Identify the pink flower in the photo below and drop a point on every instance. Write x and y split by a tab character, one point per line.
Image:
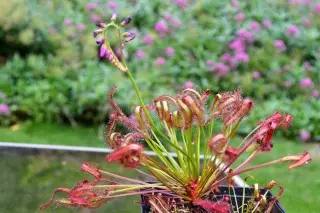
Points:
242	57
279	44
316	9
292	30
235	4
210	64
188	85
307	66
307	2
112	5
170	51
95	18
305	135
91	6
182	3
245	35
315	93
256	75
307	23
221	69
161	27
226	57
176	23
67	22
160	61
267	24
81	27
148	39
306	83
140	54
255	26
168	17
4	110
240	17
237	45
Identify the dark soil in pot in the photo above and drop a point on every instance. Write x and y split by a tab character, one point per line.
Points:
224	191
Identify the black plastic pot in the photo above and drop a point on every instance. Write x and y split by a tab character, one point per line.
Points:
224	190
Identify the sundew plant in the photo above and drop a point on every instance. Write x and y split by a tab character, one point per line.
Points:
186	124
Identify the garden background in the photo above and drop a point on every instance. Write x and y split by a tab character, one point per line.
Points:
53	85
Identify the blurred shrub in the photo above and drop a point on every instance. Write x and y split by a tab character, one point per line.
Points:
268	49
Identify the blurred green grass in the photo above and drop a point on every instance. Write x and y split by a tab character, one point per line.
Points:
29	180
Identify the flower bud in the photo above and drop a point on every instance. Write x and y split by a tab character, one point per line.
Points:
114	16
130	37
101	25
97	32
100	41
125	22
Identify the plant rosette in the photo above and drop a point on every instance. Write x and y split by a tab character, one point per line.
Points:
183	124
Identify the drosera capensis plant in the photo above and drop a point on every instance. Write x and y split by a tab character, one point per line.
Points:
180	124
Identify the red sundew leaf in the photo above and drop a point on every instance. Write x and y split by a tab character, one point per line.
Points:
46	205
217	143
304	158
86	167
129	155
213	207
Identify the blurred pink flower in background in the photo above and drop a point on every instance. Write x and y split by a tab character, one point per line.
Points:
221	69
168	17
256	75
242	57
306	83
226	57
4	110
245	35
307	2
140	54
304	135
95	18
182	3
176	23
315	93
293	30
91	6
307	66
255	26
267	23
81	27
148	39
112	5
316	9
210	64
287	84
161	28
188	85
307	22
169	51
160	61
240	17
280	45
235	4
237	45
67	22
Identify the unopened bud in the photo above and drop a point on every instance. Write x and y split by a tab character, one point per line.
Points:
114	16
97	32
130	37
101	25
100	41
125	22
